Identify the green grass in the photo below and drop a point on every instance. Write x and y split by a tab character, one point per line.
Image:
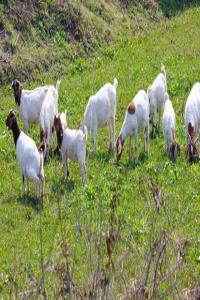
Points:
85	212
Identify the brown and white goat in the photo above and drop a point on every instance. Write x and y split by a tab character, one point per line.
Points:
192	121
136	120
29	157
169	126
174	148
48	111
29	102
156	93
72	144
192	151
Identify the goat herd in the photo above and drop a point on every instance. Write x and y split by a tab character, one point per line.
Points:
41	106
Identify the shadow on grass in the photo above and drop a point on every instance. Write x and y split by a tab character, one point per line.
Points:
171	8
61	185
131	164
194	160
68	185
28	201
167	160
101	156
158	134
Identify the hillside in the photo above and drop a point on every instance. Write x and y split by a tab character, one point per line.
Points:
133	230
58	33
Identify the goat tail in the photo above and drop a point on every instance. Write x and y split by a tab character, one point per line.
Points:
41	150
115	84
163	70
58	84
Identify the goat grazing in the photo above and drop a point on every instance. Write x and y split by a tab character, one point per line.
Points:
48	112
136	120
30	159
156	93
100	112
29	102
192	121
72	144
169	128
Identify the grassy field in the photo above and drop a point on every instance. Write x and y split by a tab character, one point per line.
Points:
108	238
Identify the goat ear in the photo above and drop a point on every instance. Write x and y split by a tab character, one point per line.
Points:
10	122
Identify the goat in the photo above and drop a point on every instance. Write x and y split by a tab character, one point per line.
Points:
169	124
156	93
100	111
72	144
136	120
30	159
192	121
48	112
29	102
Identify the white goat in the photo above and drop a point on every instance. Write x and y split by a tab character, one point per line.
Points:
72	143
192	120
169	129
100	112
30	103
48	112
156	93
30	159
136	120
